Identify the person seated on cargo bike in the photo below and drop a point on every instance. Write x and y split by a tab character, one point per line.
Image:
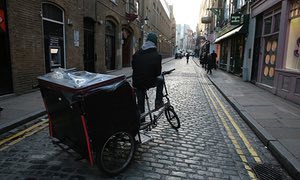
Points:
146	66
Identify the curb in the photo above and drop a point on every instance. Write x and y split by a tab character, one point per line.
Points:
287	160
20	121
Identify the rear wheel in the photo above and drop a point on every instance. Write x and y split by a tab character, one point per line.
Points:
172	117
116	153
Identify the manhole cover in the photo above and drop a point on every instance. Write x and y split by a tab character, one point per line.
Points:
268	172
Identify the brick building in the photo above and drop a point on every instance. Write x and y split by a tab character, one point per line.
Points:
93	35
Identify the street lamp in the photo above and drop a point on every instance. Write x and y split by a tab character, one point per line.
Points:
146	20
143	23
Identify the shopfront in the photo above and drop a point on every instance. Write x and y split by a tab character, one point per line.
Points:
279	44
288	84
232	50
271	22
5	63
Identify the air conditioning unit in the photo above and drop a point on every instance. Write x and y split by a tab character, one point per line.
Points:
206	19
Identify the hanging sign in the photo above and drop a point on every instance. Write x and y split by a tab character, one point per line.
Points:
2	20
235	19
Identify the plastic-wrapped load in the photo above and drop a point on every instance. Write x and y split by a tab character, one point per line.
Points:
105	102
75	79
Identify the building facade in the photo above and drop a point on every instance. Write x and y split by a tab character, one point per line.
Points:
275	63
259	41
94	35
160	21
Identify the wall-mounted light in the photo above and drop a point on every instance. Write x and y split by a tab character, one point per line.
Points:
100	22
146	20
69	22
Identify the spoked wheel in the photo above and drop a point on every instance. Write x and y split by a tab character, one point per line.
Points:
116	153
172	117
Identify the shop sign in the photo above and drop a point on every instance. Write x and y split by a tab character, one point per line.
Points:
235	19
2	20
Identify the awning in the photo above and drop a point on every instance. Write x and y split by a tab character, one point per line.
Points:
228	34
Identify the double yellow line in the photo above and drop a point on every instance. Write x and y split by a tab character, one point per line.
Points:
217	103
11	140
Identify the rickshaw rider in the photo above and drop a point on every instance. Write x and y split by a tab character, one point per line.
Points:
146	66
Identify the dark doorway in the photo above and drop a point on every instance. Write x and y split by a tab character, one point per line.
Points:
53	37
255	60
5	63
89	40
256	49
110	47
126	47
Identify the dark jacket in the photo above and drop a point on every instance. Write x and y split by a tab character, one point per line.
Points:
146	66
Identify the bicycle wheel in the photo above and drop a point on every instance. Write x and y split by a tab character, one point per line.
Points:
172	117
116	153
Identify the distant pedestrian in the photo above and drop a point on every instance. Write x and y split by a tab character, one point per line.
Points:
214	59
187	57
209	64
205	60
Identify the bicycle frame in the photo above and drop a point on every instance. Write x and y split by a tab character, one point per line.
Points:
154	118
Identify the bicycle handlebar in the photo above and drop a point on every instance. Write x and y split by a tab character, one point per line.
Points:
167	72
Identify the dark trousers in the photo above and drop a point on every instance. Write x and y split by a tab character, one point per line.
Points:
209	69
141	93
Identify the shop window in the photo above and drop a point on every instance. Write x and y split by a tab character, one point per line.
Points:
293	44
269	61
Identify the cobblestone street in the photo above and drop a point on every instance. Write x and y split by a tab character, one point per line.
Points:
206	146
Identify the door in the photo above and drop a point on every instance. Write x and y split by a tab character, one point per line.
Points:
256	49
89	50
110	47
5	64
255	60
126	47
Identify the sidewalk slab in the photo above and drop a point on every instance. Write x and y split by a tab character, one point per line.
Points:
275	120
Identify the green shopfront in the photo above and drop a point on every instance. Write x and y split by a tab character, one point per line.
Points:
232	42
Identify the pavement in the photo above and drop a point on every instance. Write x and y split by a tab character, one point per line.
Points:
275	120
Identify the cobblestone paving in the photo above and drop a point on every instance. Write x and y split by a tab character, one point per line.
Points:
200	149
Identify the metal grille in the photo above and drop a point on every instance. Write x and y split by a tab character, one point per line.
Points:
268	172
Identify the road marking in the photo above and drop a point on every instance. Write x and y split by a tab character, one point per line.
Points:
231	136
235	125
23	134
239	131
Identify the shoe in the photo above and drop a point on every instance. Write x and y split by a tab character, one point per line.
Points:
159	104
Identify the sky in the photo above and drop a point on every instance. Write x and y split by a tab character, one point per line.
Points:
186	12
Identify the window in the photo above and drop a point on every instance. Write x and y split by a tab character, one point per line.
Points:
271	22
268	24
276	22
293	44
114	1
